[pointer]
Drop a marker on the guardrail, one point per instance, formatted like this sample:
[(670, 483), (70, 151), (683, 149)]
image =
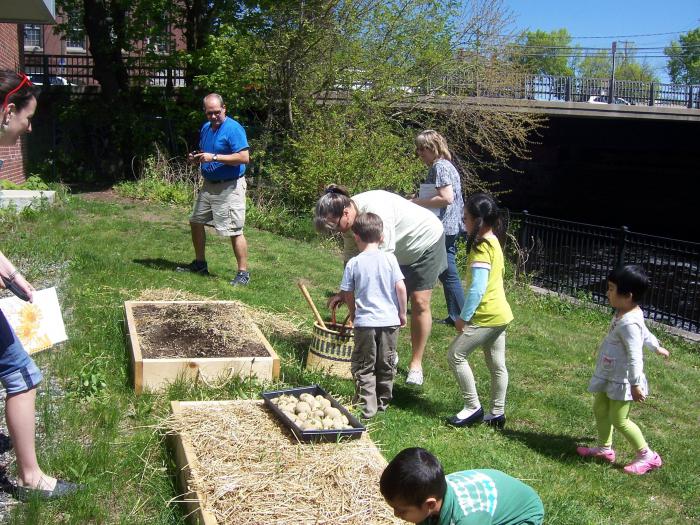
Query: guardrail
[(79, 70), (567, 89), (575, 258)]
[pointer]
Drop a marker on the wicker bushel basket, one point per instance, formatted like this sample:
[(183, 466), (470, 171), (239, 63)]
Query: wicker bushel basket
[(331, 348)]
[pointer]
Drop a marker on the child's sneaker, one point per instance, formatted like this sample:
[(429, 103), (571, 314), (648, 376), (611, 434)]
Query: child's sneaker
[(643, 463), (606, 454), (414, 377)]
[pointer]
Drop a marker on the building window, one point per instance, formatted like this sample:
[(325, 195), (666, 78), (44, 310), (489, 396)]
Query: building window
[(158, 44), (75, 40), (32, 37)]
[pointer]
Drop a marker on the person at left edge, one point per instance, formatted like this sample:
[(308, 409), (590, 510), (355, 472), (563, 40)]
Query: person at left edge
[(223, 155), (19, 375)]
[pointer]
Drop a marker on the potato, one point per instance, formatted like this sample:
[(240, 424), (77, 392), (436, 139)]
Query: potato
[(346, 427), (303, 416), (289, 414), (308, 398), (344, 419), (318, 413), (302, 406), (327, 422), (325, 403), (331, 412)]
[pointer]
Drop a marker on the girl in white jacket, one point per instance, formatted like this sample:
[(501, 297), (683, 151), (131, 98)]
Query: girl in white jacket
[(619, 373)]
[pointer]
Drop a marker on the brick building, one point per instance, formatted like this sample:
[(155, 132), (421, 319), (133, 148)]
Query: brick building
[(10, 58)]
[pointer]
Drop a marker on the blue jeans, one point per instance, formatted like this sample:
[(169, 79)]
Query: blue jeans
[(18, 373), (451, 284)]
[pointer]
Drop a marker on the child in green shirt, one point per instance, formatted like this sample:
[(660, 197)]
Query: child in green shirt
[(415, 486)]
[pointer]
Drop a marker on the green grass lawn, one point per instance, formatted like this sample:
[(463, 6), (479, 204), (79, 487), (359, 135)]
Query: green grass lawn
[(95, 430)]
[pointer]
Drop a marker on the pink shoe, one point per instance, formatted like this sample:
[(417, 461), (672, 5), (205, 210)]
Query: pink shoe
[(597, 452), (640, 465)]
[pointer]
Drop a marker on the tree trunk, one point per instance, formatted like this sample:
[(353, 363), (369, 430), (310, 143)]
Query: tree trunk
[(104, 25)]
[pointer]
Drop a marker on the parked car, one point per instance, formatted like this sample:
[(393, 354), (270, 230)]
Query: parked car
[(603, 99), (54, 80)]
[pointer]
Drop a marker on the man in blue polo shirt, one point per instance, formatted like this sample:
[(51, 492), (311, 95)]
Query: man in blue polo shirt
[(223, 155)]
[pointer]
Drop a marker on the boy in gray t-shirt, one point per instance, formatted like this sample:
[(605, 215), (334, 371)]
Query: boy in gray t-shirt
[(374, 290)]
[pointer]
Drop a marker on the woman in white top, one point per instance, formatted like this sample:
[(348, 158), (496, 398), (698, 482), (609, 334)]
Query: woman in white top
[(412, 233)]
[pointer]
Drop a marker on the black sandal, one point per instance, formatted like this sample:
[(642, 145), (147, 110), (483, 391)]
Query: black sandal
[(62, 488)]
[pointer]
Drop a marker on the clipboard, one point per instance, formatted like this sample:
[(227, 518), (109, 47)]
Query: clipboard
[(38, 325), (427, 191)]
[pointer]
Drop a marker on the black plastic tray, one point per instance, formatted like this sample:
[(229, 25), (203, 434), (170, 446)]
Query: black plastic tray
[(314, 435)]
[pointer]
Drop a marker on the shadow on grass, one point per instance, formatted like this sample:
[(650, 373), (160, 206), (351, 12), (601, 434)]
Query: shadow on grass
[(556, 446), (164, 264), (416, 401)]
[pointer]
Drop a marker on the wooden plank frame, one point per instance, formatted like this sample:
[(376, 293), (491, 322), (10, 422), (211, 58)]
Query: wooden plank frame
[(186, 461), (153, 374)]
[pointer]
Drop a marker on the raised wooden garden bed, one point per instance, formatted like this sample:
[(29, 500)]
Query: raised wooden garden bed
[(209, 341), (237, 464)]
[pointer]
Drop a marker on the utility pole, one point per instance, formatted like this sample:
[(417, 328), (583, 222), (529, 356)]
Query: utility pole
[(611, 88)]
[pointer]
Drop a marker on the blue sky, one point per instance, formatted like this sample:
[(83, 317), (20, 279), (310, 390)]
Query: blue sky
[(619, 18)]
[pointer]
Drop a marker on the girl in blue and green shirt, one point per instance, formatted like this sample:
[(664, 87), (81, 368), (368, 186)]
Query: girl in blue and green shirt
[(484, 317)]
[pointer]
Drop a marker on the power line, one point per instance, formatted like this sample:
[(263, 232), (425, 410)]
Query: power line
[(632, 36), (606, 36)]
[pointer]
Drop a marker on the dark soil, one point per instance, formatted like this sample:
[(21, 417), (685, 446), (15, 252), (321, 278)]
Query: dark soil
[(195, 330)]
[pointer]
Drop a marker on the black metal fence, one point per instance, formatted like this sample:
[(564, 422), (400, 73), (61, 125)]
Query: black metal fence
[(575, 258), (555, 88), (79, 70)]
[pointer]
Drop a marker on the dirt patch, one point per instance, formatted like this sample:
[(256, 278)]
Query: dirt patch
[(196, 330), (108, 195), (142, 210)]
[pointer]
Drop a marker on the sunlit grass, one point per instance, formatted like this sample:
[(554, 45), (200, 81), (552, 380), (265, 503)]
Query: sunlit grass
[(101, 254)]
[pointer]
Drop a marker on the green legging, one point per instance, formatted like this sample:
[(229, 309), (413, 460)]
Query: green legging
[(610, 414)]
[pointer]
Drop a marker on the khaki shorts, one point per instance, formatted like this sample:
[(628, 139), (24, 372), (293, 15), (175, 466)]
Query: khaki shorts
[(423, 274), (221, 205)]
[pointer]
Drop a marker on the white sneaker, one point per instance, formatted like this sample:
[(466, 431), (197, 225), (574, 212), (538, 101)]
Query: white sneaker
[(414, 377)]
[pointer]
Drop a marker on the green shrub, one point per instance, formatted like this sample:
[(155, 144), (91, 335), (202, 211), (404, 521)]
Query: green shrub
[(344, 147), (8, 185), (33, 182), (163, 179)]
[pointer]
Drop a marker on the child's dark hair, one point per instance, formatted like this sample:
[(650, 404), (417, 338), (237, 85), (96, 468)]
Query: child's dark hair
[(630, 279), (412, 477), (484, 210), (368, 227), (334, 200)]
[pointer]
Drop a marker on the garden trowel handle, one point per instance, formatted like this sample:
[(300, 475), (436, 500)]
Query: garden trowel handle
[(317, 315), (347, 324)]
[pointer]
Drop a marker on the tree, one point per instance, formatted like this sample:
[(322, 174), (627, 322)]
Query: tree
[(293, 60), (543, 53), (627, 67), (595, 65), (684, 58)]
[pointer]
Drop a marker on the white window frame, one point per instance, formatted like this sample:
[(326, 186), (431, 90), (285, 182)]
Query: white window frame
[(30, 47), (76, 49)]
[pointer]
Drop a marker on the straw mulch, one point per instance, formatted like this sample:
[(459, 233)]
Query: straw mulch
[(250, 470)]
